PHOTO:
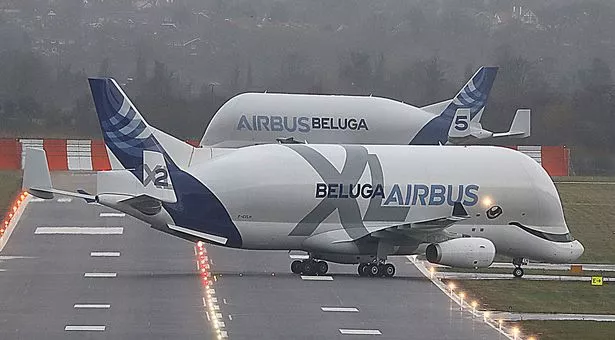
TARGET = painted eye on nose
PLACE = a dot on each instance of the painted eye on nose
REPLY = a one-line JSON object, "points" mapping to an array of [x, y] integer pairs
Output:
{"points": [[494, 212]]}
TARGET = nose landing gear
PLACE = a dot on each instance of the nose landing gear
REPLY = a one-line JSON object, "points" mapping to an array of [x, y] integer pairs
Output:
{"points": [[517, 262]]}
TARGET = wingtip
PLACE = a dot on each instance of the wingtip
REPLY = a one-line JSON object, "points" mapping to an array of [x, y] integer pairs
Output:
{"points": [[459, 210]]}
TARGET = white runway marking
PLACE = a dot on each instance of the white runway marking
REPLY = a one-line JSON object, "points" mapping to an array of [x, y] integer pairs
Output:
{"points": [[316, 278], [299, 256], [79, 230], [340, 309], [37, 200], [92, 306], [360, 331], [10, 257], [100, 275], [85, 328], [105, 254], [112, 214], [65, 200]]}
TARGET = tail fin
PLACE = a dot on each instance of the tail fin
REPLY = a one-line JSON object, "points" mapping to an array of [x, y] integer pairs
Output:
{"points": [[473, 95], [127, 134]]}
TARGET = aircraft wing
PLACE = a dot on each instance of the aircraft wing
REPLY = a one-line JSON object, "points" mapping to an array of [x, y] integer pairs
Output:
{"points": [[433, 224], [414, 229]]}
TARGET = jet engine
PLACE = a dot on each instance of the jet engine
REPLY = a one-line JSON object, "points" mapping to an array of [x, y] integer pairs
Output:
{"points": [[465, 252]]}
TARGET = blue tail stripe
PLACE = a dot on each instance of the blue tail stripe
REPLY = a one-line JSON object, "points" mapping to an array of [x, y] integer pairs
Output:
{"points": [[127, 135], [436, 130]]}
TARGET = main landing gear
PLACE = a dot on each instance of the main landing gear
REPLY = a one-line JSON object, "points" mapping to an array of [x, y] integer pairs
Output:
{"points": [[517, 262], [376, 269], [309, 267]]}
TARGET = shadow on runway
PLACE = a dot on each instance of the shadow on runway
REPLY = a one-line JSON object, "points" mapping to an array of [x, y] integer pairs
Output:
{"points": [[333, 275]]}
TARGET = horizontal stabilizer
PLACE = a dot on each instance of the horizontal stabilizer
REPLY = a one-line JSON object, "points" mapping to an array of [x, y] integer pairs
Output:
{"points": [[520, 127], [36, 177]]}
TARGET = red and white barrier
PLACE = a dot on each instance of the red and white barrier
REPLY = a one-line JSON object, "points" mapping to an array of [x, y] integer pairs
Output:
{"points": [[85, 154], [71, 154], [554, 159]]}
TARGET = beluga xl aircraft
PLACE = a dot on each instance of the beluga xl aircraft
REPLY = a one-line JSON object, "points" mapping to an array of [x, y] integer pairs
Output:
{"points": [[353, 204], [260, 118]]}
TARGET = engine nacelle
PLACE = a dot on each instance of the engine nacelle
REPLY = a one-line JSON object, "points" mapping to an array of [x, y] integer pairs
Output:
{"points": [[465, 252]]}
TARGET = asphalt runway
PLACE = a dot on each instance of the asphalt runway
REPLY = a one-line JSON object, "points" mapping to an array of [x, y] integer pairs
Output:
{"points": [[152, 289]]}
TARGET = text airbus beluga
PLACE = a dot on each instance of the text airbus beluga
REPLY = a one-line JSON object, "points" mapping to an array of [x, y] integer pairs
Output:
{"points": [[352, 204], [261, 118]]}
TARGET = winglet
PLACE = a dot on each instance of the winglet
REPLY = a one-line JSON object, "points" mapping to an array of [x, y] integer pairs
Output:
{"points": [[36, 177], [520, 126], [459, 210]]}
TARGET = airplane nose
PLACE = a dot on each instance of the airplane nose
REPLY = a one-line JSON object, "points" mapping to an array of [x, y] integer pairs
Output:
{"points": [[577, 250]]}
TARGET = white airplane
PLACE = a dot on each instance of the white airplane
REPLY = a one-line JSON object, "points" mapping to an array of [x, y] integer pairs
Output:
{"points": [[261, 118], [341, 203]]}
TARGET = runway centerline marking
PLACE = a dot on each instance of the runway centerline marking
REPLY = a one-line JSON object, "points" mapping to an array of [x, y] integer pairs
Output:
{"points": [[105, 254], [316, 278], [111, 214], [85, 328], [346, 331], [65, 200], [299, 256], [79, 230], [92, 305], [340, 309], [100, 275]]}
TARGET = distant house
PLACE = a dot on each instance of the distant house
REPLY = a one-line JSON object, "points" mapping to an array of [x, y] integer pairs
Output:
{"points": [[518, 13], [525, 15]]}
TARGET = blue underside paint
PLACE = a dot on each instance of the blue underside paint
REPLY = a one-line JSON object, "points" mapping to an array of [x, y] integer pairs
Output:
{"points": [[197, 208]]}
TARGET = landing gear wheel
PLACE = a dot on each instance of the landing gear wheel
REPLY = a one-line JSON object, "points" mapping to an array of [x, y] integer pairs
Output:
{"points": [[373, 270], [322, 267], [361, 269], [388, 270], [518, 272], [296, 267], [309, 267]]}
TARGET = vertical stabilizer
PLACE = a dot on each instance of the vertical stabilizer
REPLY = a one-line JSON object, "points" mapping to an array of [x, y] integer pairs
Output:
{"points": [[127, 134], [474, 94]]}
